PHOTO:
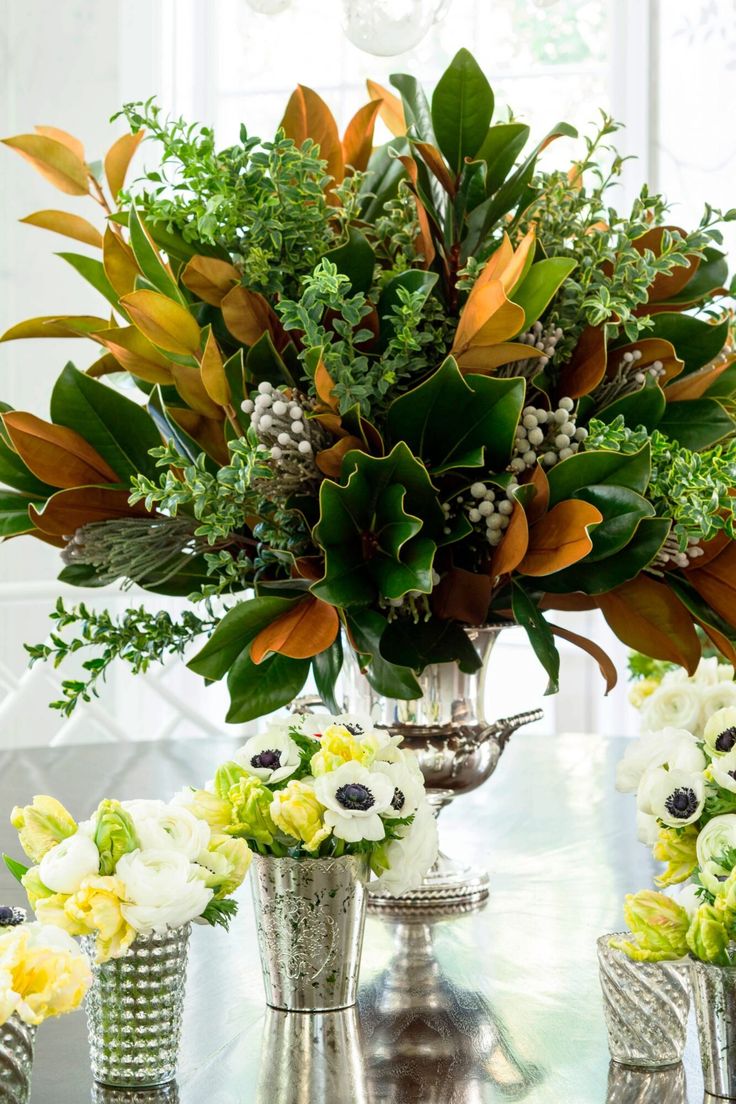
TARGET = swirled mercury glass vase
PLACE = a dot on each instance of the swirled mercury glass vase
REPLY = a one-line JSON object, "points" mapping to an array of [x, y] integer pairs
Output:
{"points": [[457, 747], [16, 1060], [134, 1010], [310, 915], [646, 1006]]}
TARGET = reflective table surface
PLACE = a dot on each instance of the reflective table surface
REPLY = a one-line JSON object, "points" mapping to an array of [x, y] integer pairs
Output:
{"points": [[500, 1004]]}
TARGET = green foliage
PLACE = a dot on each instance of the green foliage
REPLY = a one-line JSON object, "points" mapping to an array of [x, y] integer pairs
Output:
{"points": [[644, 667], [220, 913]]}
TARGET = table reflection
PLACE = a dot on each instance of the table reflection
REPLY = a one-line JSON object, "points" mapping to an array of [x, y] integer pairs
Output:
{"points": [[311, 1056], [632, 1086], [428, 1040]]}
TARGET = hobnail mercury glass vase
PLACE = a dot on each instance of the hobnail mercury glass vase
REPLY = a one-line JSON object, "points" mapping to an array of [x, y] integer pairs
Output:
{"points": [[646, 1006], [17, 1040], [714, 996], [310, 915], [134, 1010]]}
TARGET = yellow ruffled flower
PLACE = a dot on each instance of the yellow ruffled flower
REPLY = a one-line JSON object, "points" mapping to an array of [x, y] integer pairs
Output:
{"points": [[207, 806], [642, 690], [338, 746], [708, 936], [96, 909], [659, 928], [296, 811], [42, 825], [41, 974], [677, 849], [227, 861]]}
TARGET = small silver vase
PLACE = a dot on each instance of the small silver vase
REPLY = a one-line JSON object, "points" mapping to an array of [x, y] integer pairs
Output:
{"points": [[134, 1010], [17, 1041], [645, 1005], [310, 915], [457, 748], [714, 995]]}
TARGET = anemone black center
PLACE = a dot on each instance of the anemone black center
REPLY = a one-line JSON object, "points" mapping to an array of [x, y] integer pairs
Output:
{"points": [[267, 760], [681, 803], [398, 800], [355, 729], [355, 796], [727, 739]]}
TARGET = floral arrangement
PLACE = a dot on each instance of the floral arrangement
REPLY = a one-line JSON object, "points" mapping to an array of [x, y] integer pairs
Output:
{"points": [[668, 697], [43, 973], [320, 787], [686, 798], [371, 396], [133, 868]]}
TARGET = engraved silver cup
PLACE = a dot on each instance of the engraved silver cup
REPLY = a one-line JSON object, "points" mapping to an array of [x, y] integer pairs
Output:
{"points": [[714, 994]]}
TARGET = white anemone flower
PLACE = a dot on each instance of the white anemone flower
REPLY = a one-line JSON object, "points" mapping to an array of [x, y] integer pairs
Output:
{"points": [[677, 705], [408, 786], [676, 797], [719, 732], [723, 770], [354, 799], [647, 829], [410, 857], [675, 747], [270, 756]]}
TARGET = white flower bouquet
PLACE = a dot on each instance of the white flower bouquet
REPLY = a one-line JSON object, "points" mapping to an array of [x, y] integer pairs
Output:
{"points": [[323, 787], [667, 697], [132, 869]]}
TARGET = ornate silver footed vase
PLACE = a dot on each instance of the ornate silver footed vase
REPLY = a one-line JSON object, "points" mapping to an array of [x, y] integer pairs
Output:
{"points": [[458, 749]]}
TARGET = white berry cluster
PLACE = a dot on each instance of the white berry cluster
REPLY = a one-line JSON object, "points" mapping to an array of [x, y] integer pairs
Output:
{"points": [[671, 554], [543, 338], [278, 417], [547, 436], [628, 378], [487, 508]]}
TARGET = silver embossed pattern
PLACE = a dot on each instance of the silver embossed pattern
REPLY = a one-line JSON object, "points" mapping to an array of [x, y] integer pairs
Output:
{"points": [[16, 1060], [714, 995], [646, 1005], [310, 915], [134, 1010]]}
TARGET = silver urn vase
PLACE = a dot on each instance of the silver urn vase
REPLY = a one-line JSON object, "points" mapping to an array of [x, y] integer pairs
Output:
{"points": [[134, 1010], [458, 749], [310, 915], [17, 1040], [714, 996]]}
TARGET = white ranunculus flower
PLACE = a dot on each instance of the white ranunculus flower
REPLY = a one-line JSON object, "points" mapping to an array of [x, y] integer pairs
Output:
{"points": [[410, 857], [63, 868], [161, 826], [675, 706], [354, 799], [714, 699], [719, 732], [717, 837], [706, 673], [162, 889], [678, 674], [725, 672], [674, 746], [408, 786], [723, 769], [647, 829], [270, 756], [676, 797]]}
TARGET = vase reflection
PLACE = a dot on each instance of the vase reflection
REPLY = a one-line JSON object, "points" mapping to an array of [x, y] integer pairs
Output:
{"points": [[311, 1056], [164, 1094], [638, 1086], [429, 1041]]}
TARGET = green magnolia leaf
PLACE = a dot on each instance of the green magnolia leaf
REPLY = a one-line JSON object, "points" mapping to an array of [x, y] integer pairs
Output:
{"points": [[527, 614], [622, 510], [417, 111], [18, 870], [235, 374], [697, 423], [695, 340], [462, 108], [356, 260], [630, 470], [724, 386], [190, 576], [264, 364], [149, 261], [711, 273], [369, 529], [535, 291], [326, 667], [501, 146], [258, 689], [456, 421], [471, 189], [389, 679], [382, 179], [234, 634], [119, 429], [14, 517], [417, 644], [641, 408], [699, 608], [170, 430], [624, 565], [93, 272]]}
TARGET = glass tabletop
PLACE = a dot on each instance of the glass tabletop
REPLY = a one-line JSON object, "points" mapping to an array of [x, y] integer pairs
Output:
{"points": [[495, 1005]]}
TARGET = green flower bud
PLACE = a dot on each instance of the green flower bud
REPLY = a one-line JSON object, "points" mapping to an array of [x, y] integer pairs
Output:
{"points": [[658, 925], [42, 825], [226, 862], [34, 887], [251, 801], [115, 835], [708, 937], [226, 777]]}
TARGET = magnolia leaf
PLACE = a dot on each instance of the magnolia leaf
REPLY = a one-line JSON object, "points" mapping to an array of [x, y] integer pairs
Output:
{"points": [[587, 365], [536, 290], [484, 359], [357, 142], [308, 116], [435, 163], [697, 383], [596, 576], [14, 513], [462, 596], [54, 160], [71, 226], [716, 582], [527, 614], [390, 109], [560, 538], [538, 504], [602, 466], [256, 690], [604, 661], [55, 454], [70, 509], [66, 139], [647, 616], [488, 317], [118, 158], [329, 460], [697, 424], [666, 285], [234, 633], [301, 632], [326, 667], [134, 353], [462, 108], [247, 315], [366, 628], [52, 325], [190, 385], [697, 341], [149, 260], [508, 554], [167, 324], [119, 263], [212, 371], [210, 279]]}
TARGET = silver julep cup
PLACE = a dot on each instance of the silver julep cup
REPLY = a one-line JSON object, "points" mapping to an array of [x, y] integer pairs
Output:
{"points": [[310, 915], [646, 1006], [134, 1010], [714, 994], [17, 1041]]}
